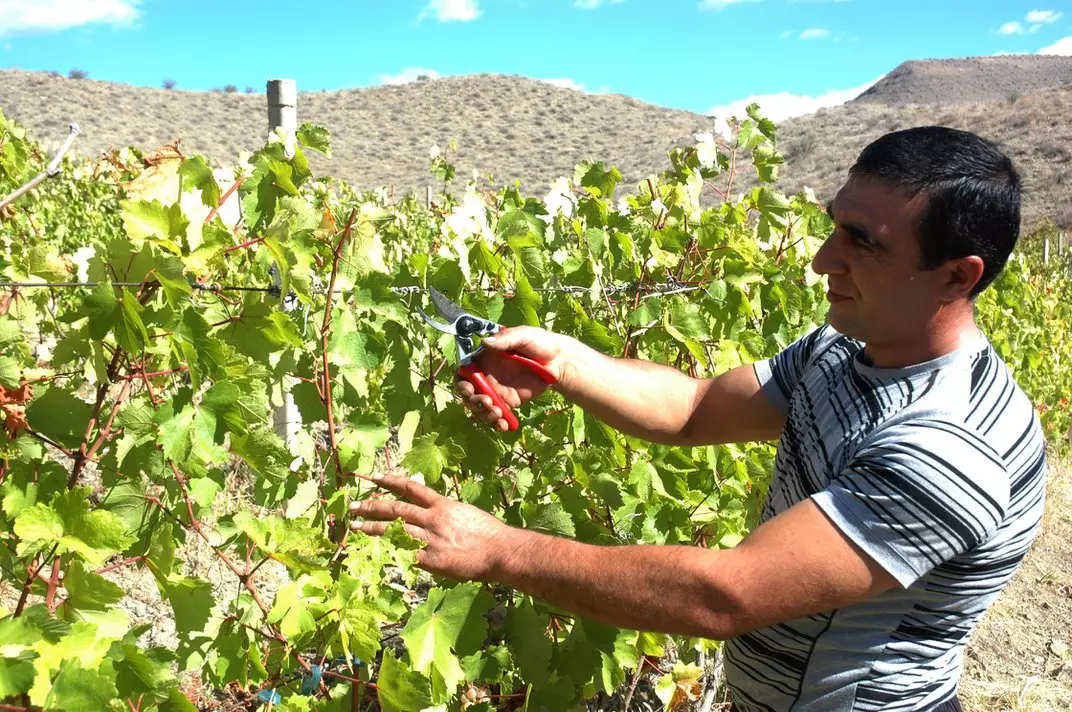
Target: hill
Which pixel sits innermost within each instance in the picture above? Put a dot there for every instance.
(514, 127)
(974, 80)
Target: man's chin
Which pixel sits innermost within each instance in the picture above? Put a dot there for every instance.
(844, 326)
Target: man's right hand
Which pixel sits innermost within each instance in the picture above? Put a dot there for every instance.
(516, 383)
(639, 398)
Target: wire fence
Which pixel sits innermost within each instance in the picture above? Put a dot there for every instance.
(651, 289)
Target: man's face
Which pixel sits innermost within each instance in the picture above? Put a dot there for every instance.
(877, 291)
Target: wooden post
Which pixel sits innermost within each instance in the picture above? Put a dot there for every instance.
(1046, 251)
(428, 196)
(283, 109)
(283, 114)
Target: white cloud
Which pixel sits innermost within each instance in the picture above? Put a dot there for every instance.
(593, 4)
(564, 83)
(1043, 17)
(407, 75)
(1062, 47)
(54, 15)
(817, 33)
(1034, 19)
(451, 10)
(720, 5)
(783, 105)
(787, 34)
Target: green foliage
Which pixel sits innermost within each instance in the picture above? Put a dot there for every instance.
(166, 388)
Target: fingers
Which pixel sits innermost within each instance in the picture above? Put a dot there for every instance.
(378, 528)
(482, 405)
(390, 510)
(528, 341)
(407, 489)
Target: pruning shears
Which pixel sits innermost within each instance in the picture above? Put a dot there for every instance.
(464, 326)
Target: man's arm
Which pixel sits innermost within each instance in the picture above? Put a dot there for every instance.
(640, 398)
(794, 565)
(664, 405)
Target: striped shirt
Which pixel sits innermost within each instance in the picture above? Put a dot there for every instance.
(937, 471)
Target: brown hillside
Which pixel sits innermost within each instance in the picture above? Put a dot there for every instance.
(1035, 130)
(510, 126)
(520, 128)
(969, 81)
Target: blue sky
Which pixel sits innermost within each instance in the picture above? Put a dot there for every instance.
(700, 55)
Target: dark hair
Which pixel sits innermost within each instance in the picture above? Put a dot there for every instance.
(972, 191)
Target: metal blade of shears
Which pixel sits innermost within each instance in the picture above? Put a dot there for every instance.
(446, 328)
(448, 309)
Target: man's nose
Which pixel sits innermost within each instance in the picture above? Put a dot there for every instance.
(829, 260)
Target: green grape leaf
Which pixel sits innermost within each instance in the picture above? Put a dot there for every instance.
(526, 634)
(120, 316)
(430, 459)
(359, 443)
(10, 372)
(81, 690)
(290, 541)
(549, 517)
(359, 629)
(203, 353)
(347, 346)
(264, 451)
(17, 638)
(401, 689)
(261, 329)
(137, 674)
(60, 415)
(69, 524)
(292, 612)
(315, 137)
(90, 591)
(449, 624)
(197, 174)
(155, 222)
(191, 599)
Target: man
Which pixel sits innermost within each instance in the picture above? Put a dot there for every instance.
(910, 472)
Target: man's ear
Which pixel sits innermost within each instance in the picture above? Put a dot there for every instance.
(961, 276)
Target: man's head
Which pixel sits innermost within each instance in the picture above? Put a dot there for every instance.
(925, 222)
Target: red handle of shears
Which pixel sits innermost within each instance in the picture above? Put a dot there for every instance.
(480, 382)
(483, 386)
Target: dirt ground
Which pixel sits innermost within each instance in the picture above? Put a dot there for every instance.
(1018, 659)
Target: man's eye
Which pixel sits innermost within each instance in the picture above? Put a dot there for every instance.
(861, 241)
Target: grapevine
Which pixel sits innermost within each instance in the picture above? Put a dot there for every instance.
(156, 309)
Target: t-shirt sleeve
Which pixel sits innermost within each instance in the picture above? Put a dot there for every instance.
(917, 496)
(779, 375)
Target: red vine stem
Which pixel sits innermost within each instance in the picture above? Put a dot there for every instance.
(223, 199)
(29, 582)
(195, 525)
(155, 374)
(324, 331)
(120, 564)
(247, 243)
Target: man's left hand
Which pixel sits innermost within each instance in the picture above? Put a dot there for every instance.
(463, 542)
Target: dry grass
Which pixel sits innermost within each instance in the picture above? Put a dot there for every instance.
(509, 126)
(1035, 130)
(516, 128)
(969, 81)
